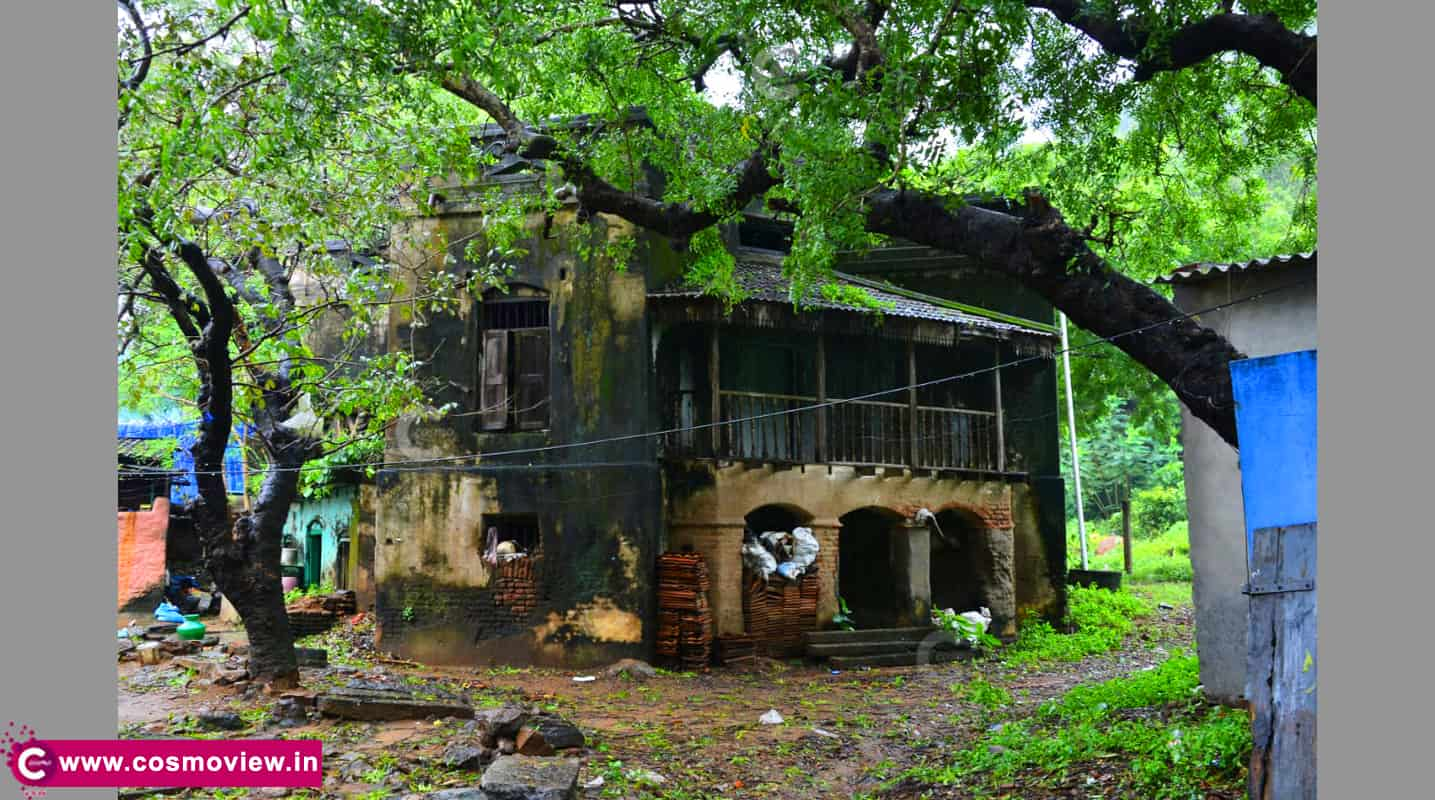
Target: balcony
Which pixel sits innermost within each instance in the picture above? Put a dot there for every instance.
(785, 429)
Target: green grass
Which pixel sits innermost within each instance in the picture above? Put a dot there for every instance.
(1175, 593)
(1155, 721)
(1164, 558)
(982, 693)
(1101, 621)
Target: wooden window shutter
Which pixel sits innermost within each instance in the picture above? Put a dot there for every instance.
(493, 395)
(531, 401)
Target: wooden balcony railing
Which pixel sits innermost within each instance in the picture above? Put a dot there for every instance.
(770, 428)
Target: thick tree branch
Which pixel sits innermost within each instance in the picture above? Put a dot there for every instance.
(1263, 37)
(1033, 245)
(865, 54)
(677, 221)
(142, 64)
(216, 386)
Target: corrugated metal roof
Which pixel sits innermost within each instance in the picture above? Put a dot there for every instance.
(1204, 270)
(765, 283)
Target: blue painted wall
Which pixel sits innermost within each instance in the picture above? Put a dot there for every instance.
(1276, 401)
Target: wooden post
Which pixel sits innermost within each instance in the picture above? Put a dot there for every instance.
(1126, 532)
(821, 444)
(999, 419)
(715, 383)
(912, 404)
(1281, 665)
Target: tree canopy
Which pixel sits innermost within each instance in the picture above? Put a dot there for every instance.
(1073, 146)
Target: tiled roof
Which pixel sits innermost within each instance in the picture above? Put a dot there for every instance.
(765, 283)
(1201, 271)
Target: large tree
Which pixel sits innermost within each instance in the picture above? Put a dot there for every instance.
(250, 183)
(901, 118)
(253, 134)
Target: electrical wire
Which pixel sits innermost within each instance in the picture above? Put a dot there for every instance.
(429, 464)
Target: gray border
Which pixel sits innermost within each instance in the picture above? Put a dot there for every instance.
(1375, 546)
(57, 578)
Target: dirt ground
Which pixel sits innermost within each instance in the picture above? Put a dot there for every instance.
(676, 735)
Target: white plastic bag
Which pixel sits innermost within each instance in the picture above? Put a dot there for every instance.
(758, 559)
(804, 548)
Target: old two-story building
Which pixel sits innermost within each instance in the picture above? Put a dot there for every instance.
(607, 412)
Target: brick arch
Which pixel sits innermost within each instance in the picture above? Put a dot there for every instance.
(988, 515)
(774, 516)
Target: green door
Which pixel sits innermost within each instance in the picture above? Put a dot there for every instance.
(313, 553)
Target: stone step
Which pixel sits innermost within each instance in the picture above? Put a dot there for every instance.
(907, 659)
(867, 635)
(832, 649)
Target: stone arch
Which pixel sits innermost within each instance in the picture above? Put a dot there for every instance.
(866, 578)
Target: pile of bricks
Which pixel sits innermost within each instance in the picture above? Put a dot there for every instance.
(778, 612)
(515, 587)
(736, 650)
(685, 621)
(311, 615)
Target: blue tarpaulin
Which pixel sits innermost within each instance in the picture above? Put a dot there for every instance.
(182, 486)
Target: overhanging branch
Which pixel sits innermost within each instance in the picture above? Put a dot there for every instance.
(1263, 37)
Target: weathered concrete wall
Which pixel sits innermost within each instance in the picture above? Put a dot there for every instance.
(590, 600)
(588, 597)
(361, 547)
(1281, 322)
(706, 506)
(142, 554)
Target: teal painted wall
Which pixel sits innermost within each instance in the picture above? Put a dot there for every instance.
(332, 517)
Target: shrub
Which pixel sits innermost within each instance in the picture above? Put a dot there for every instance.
(1101, 619)
(1155, 509)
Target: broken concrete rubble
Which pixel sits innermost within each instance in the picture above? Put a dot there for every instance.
(463, 793)
(373, 705)
(528, 731)
(218, 720)
(544, 735)
(631, 668)
(526, 778)
(467, 757)
(312, 657)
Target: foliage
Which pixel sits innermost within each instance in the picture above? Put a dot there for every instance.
(314, 590)
(963, 628)
(1163, 558)
(237, 138)
(1117, 453)
(1177, 746)
(983, 693)
(1156, 508)
(1212, 161)
(1098, 619)
(158, 451)
(843, 618)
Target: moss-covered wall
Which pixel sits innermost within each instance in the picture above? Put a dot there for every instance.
(588, 597)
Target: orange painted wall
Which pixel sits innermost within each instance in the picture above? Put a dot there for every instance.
(142, 536)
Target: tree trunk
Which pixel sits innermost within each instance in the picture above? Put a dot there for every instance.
(244, 560)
